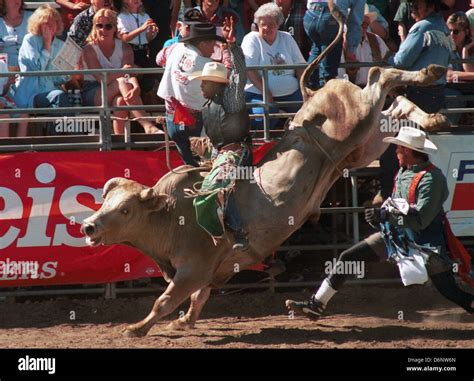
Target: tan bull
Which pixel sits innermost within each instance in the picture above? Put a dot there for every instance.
(337, 128)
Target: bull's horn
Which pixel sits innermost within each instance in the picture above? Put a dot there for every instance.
(111, 184)
(147, 194)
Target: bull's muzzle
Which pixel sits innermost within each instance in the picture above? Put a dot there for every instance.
(88, 228)
(92, 232)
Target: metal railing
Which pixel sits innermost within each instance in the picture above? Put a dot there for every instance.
(105, 111)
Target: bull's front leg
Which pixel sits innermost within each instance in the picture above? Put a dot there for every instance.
(402, 108)
(198, 300)
(176, 293)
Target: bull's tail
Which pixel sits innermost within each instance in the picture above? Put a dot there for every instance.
(305, 90)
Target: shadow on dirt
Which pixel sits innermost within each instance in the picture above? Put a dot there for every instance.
(295, 336)
(416, 305)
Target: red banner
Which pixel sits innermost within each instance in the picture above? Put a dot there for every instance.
(44, 197)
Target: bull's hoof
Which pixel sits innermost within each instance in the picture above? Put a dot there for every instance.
(436, 122)
(132, 331)
(180, 325)
(436, 71)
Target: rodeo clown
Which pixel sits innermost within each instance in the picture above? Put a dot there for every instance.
(226, 122)
(424, 188)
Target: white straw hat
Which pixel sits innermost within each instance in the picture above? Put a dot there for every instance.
(414, 139)
(212, 71)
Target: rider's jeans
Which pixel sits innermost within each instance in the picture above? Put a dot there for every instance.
(180, 135)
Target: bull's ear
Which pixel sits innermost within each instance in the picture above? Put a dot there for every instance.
(111, 184)
(152, 200)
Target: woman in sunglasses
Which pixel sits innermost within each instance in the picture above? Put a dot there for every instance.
(460, 33)
(106, 51)
(460, 30)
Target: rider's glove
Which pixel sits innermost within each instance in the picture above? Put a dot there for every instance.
(374, 216)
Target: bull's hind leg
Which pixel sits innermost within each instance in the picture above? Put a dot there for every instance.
(381, 81)
(198, 300)
(402, 108)
(179, 289)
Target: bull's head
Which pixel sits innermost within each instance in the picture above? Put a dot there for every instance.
(125, 208)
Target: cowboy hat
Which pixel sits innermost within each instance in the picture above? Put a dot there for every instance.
(199, 32)
(191, 16)
(212, 71)
(414, 139)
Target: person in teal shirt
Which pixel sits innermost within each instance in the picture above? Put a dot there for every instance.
(428, 42)
(423, 225)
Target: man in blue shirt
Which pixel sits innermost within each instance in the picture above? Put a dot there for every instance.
(428, 42)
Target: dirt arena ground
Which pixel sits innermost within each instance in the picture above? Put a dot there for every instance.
(359, 317)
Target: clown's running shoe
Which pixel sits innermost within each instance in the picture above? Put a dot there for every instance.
(312, 308)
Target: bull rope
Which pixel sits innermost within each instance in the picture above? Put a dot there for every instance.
(294, 127)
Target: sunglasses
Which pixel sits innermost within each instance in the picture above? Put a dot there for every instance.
(104, 26)
(455, 31)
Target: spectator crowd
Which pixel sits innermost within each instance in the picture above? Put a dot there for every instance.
(182, 36)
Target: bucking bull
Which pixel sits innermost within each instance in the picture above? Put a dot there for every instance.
(337, 128)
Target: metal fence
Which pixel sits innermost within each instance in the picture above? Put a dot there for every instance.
(104, 111)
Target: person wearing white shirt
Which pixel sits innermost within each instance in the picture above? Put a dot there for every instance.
(183, 98)
(138, 29)
(269, 46)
